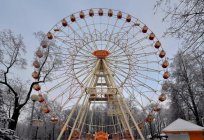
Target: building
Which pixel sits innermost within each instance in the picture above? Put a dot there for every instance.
(184, 130)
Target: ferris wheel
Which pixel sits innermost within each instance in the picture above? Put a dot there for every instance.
(107, 66)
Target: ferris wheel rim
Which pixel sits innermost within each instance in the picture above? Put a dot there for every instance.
(120, 47)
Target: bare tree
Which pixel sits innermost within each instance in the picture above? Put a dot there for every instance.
(186, 19)
(187, 87)
(12, 50)
(177, 107)
(2, 109)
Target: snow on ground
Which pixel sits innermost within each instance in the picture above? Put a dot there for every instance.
(7, 134)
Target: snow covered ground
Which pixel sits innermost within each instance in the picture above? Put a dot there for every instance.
(7, 134)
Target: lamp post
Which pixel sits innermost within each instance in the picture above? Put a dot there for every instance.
(202, 120)
(53, 120)
(34, 98)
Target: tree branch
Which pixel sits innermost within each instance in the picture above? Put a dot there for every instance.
(30, 89)
(9, 86)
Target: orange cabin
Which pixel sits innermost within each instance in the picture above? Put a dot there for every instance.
(101, 136)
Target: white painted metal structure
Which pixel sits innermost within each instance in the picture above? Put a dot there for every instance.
(94, 89)
(108, 93)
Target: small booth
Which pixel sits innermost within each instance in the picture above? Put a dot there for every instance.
(184, 130)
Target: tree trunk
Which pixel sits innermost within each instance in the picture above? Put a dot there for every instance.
(191, 93)
(151, 131)
(13, 124)
(36, 133)
(196, 114)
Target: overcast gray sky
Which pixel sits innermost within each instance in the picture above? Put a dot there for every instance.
(29, 16)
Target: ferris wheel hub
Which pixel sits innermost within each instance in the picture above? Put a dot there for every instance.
(101, 53)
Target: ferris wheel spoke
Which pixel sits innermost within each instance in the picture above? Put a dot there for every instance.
(91, 64)
(62, 55)
(74, 93)
(58, 84)
(143, 62)
(113, 47)
(143, 70)
(118, 52)
(118, 80)
(80, 60)
(135, 99)
(61, 70)
(141, 93)
(59, 76)
(110, 37)
(95, 46)
(80, 57)
(119, 70)
(119, 61)
(80, 63)
(69, 99)
(82, 73)
(137, 41)
(61, 94)
(119, 42)
(67, 37)
(82, 67)
(94, 25)
(84, 42)
(145, 54)
(139, 49)
(87, 79)
(84, 62)
(147, 69)
(69, 44)
(107, 27)
(135, 34)
(120, 58)
(118, 65)
(124, 76)
(83, 56)
(139, 82)
(147, 77)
